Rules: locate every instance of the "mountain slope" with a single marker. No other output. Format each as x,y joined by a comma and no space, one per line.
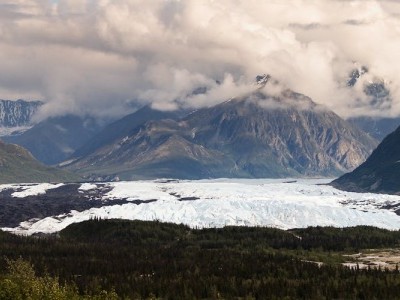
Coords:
253,136
55,139
380,173
17,113
17,165
16,116
298,135
121,128
377,127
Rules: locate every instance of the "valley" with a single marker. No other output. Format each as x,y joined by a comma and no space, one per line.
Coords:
206,149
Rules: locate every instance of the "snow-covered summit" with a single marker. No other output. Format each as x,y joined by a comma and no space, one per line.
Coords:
262,80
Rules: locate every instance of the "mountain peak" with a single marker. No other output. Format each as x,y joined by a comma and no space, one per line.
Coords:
355,74
262,80
257,135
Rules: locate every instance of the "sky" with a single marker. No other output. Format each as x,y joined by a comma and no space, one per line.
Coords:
106,57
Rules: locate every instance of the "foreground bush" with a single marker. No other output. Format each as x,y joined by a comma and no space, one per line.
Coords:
22,283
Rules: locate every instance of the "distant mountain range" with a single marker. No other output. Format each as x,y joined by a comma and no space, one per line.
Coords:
55,139
380,173
16,116
252,136
17,165
377,127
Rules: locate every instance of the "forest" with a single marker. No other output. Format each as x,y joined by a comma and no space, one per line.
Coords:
118,259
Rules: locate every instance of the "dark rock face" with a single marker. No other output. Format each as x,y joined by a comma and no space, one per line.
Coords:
17,113
254,136
380,173
355,75
376,90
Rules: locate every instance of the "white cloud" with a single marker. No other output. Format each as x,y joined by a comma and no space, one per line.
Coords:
98,57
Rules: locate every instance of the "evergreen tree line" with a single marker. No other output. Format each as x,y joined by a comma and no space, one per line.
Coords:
141,260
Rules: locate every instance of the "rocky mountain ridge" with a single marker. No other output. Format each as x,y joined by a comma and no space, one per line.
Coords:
253,136
17,113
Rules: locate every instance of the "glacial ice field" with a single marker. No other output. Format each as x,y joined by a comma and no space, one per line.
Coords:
280,203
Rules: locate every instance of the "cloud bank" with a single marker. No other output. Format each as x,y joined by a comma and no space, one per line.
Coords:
105,57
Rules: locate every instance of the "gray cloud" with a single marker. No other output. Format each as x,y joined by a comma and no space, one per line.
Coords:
355,22
103,57
309,26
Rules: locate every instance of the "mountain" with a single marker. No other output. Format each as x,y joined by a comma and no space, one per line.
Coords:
376,89
380,99
380,173
54,139
253,136
121,128
16,115
377,127
18,165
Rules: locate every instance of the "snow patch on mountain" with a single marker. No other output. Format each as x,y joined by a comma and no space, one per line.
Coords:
17,113
7,131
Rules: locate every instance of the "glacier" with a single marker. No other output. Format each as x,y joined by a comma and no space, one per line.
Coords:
279,203
30,189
